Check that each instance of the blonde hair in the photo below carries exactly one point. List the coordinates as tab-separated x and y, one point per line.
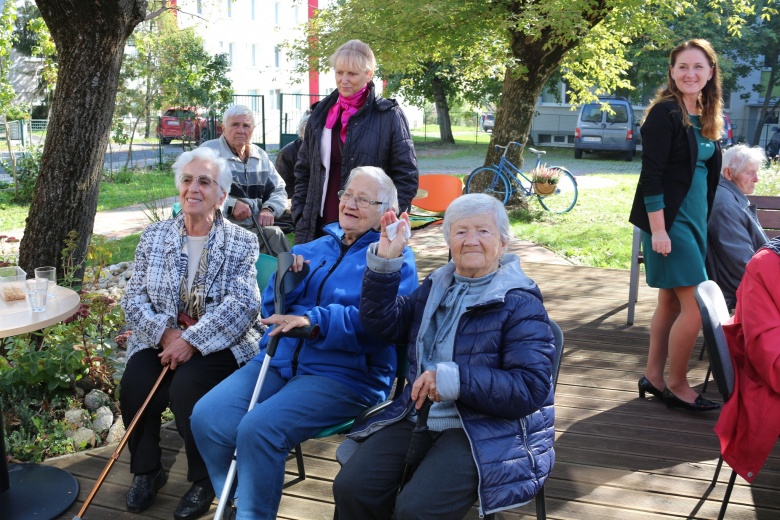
710	98
354	55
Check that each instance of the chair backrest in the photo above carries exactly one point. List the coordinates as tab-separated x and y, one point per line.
266	266
714	313
441	190
175	209
768	213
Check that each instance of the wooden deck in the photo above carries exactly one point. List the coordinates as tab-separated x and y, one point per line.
617	457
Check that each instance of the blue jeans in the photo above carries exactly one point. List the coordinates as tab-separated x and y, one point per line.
287	413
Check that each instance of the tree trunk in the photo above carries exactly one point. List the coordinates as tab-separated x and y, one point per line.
764	113
442	111
521	89
90	39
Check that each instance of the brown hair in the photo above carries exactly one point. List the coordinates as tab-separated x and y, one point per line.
710	98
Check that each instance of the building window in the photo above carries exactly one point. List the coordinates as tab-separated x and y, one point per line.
254	55
297	14
276	13
277	57
199	7
253	9
230	8
230	52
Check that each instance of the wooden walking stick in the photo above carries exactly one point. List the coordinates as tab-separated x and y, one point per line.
120	447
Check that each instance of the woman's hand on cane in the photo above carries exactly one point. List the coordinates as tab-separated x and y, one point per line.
285	322
425	386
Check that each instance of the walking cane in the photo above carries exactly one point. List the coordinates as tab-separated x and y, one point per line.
120	447
419	443
286	281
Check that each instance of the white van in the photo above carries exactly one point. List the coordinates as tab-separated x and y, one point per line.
601	131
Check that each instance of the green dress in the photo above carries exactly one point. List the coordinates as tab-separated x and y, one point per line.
684	266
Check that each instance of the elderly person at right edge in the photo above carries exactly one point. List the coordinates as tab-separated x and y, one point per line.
480	347
733	232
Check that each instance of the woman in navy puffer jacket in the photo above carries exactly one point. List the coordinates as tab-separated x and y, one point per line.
480	347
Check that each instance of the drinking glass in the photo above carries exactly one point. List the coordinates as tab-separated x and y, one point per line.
50	274
36	293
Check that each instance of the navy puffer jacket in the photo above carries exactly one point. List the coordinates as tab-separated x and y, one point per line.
504	351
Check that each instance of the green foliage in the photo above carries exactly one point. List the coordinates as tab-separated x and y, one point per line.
7	19
33	424
28	164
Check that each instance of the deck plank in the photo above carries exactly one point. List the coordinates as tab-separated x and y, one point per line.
618	457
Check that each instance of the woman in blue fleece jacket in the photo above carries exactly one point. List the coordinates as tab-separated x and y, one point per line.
481	348
315	383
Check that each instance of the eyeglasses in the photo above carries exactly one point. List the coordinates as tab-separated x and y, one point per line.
362	202
204	181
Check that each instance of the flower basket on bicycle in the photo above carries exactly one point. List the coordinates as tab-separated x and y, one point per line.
544	179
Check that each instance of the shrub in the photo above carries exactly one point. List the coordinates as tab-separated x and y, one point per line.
28	164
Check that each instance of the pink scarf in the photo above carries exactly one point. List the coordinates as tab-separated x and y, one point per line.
346	107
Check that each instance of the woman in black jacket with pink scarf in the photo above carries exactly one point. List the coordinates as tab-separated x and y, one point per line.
351	127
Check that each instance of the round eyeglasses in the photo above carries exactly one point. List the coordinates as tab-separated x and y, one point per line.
204	181
362	202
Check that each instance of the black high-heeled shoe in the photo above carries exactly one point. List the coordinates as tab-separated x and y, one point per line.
701	404
647	386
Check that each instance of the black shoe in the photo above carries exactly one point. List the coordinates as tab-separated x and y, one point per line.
195	502
701	404
143	490
647	386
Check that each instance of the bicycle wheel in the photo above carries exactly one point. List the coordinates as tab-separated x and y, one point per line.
565	195
490	181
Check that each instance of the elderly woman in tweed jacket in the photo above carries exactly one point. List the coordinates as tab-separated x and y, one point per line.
198	268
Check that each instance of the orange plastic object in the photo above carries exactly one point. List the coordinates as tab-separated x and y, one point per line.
440	190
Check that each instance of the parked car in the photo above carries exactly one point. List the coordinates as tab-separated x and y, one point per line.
488	122
727	137
601	131
186	123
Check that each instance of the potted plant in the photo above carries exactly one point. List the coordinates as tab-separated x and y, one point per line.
545	179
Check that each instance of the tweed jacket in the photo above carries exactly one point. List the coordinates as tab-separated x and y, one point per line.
232	299
669	153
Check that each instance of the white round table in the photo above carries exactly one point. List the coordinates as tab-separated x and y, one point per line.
17	318
35	491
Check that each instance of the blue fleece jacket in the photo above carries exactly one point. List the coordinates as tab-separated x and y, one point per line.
329	296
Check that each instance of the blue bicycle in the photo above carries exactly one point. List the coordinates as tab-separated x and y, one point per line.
505	179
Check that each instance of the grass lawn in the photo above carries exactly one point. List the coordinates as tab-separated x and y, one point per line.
596	232
126	190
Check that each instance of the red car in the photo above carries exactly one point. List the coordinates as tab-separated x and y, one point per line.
186	123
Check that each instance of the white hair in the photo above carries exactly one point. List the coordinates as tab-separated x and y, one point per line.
302	123
238	111
472	204
224	177
738	157
386	192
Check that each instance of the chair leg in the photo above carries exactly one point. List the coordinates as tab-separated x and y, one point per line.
541	505
707	378
633	284
703	346
717	471
299	461
726	497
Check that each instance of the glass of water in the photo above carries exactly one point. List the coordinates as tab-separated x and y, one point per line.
36	293
50	274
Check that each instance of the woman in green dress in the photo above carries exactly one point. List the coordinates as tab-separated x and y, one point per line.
680	168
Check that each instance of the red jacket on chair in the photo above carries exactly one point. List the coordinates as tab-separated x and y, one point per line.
749	423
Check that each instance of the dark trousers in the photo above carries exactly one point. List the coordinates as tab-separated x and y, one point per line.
180	389
444	486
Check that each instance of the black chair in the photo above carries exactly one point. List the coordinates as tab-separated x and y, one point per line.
714	313
347	448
